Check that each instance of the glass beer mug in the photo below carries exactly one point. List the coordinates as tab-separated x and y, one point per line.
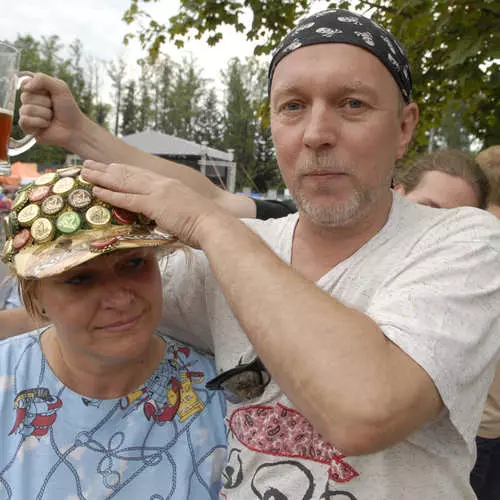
10	80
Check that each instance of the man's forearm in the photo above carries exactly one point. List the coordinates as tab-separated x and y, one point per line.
332	361
16	321
95	143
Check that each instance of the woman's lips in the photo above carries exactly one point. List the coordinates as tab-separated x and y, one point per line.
121	325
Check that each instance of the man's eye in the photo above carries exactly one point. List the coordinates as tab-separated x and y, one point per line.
354	104
290	106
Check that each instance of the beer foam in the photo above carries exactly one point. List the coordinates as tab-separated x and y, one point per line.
4	111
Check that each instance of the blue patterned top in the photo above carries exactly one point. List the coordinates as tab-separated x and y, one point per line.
166	440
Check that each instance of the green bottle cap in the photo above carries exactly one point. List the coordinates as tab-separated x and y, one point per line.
69	222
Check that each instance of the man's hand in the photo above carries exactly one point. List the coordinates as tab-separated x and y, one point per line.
49	111
174	207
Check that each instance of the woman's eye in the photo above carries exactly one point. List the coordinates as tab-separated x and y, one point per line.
135	263
78	279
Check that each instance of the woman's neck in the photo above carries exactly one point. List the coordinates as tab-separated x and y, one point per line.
95	378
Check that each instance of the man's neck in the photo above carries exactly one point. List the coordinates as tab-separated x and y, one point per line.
316	249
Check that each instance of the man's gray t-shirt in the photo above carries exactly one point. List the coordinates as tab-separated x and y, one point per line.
431	281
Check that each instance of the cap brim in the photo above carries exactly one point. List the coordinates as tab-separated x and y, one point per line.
66	252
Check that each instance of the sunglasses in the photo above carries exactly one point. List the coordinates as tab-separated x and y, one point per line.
241	383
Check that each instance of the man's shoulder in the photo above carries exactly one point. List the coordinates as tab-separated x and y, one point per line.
462	223
273	231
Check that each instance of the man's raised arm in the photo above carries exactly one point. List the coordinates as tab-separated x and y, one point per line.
50	112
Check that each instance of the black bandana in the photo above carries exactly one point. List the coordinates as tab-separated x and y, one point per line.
342	26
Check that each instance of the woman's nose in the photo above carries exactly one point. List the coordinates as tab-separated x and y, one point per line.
117	297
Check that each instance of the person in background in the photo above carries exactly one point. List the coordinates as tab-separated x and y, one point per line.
485	477
99	404
446	178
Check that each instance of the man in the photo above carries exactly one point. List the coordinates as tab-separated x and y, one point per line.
485	477
375	318
446	178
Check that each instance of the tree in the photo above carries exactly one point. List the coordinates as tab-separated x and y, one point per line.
453	46
186	92
129	115
144	110
239	123
209	125
117	74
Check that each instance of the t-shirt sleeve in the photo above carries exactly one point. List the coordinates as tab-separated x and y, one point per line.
440	305
274	209
184	314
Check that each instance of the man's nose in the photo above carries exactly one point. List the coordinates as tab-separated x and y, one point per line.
322	127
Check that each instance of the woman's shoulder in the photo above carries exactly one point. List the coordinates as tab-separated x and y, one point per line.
14	348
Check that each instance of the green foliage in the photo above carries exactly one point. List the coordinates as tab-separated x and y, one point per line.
453	47
185	94
129	115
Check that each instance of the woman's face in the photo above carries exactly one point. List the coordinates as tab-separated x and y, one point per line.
107	308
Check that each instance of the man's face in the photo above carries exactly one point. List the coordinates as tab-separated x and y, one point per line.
338	125
440	190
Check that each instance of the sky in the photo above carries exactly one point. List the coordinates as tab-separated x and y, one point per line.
98	24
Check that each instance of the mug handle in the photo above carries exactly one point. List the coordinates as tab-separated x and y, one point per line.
18	146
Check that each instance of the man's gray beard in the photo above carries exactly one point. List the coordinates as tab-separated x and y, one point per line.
338	214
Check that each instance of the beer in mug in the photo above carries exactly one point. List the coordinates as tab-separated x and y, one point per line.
10	79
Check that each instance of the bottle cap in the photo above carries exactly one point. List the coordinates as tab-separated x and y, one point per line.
43	230
8	251
47	179
64	186
20	201
69	171
124	216
68	222
28	214
21	239
52	205
39	193
80	199
98	216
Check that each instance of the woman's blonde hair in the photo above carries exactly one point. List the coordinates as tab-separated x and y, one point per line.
28	290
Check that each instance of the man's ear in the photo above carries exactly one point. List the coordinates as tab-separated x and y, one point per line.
408	122
399	188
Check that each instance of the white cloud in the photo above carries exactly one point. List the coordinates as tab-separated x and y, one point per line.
98	24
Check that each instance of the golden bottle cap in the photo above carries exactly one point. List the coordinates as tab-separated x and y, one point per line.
47	179
64	186
69	171
8	251
42	230
82	182
28	214
80	199
98	216
8	228
20	201
52	205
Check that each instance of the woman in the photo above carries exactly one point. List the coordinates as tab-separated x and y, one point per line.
99	405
